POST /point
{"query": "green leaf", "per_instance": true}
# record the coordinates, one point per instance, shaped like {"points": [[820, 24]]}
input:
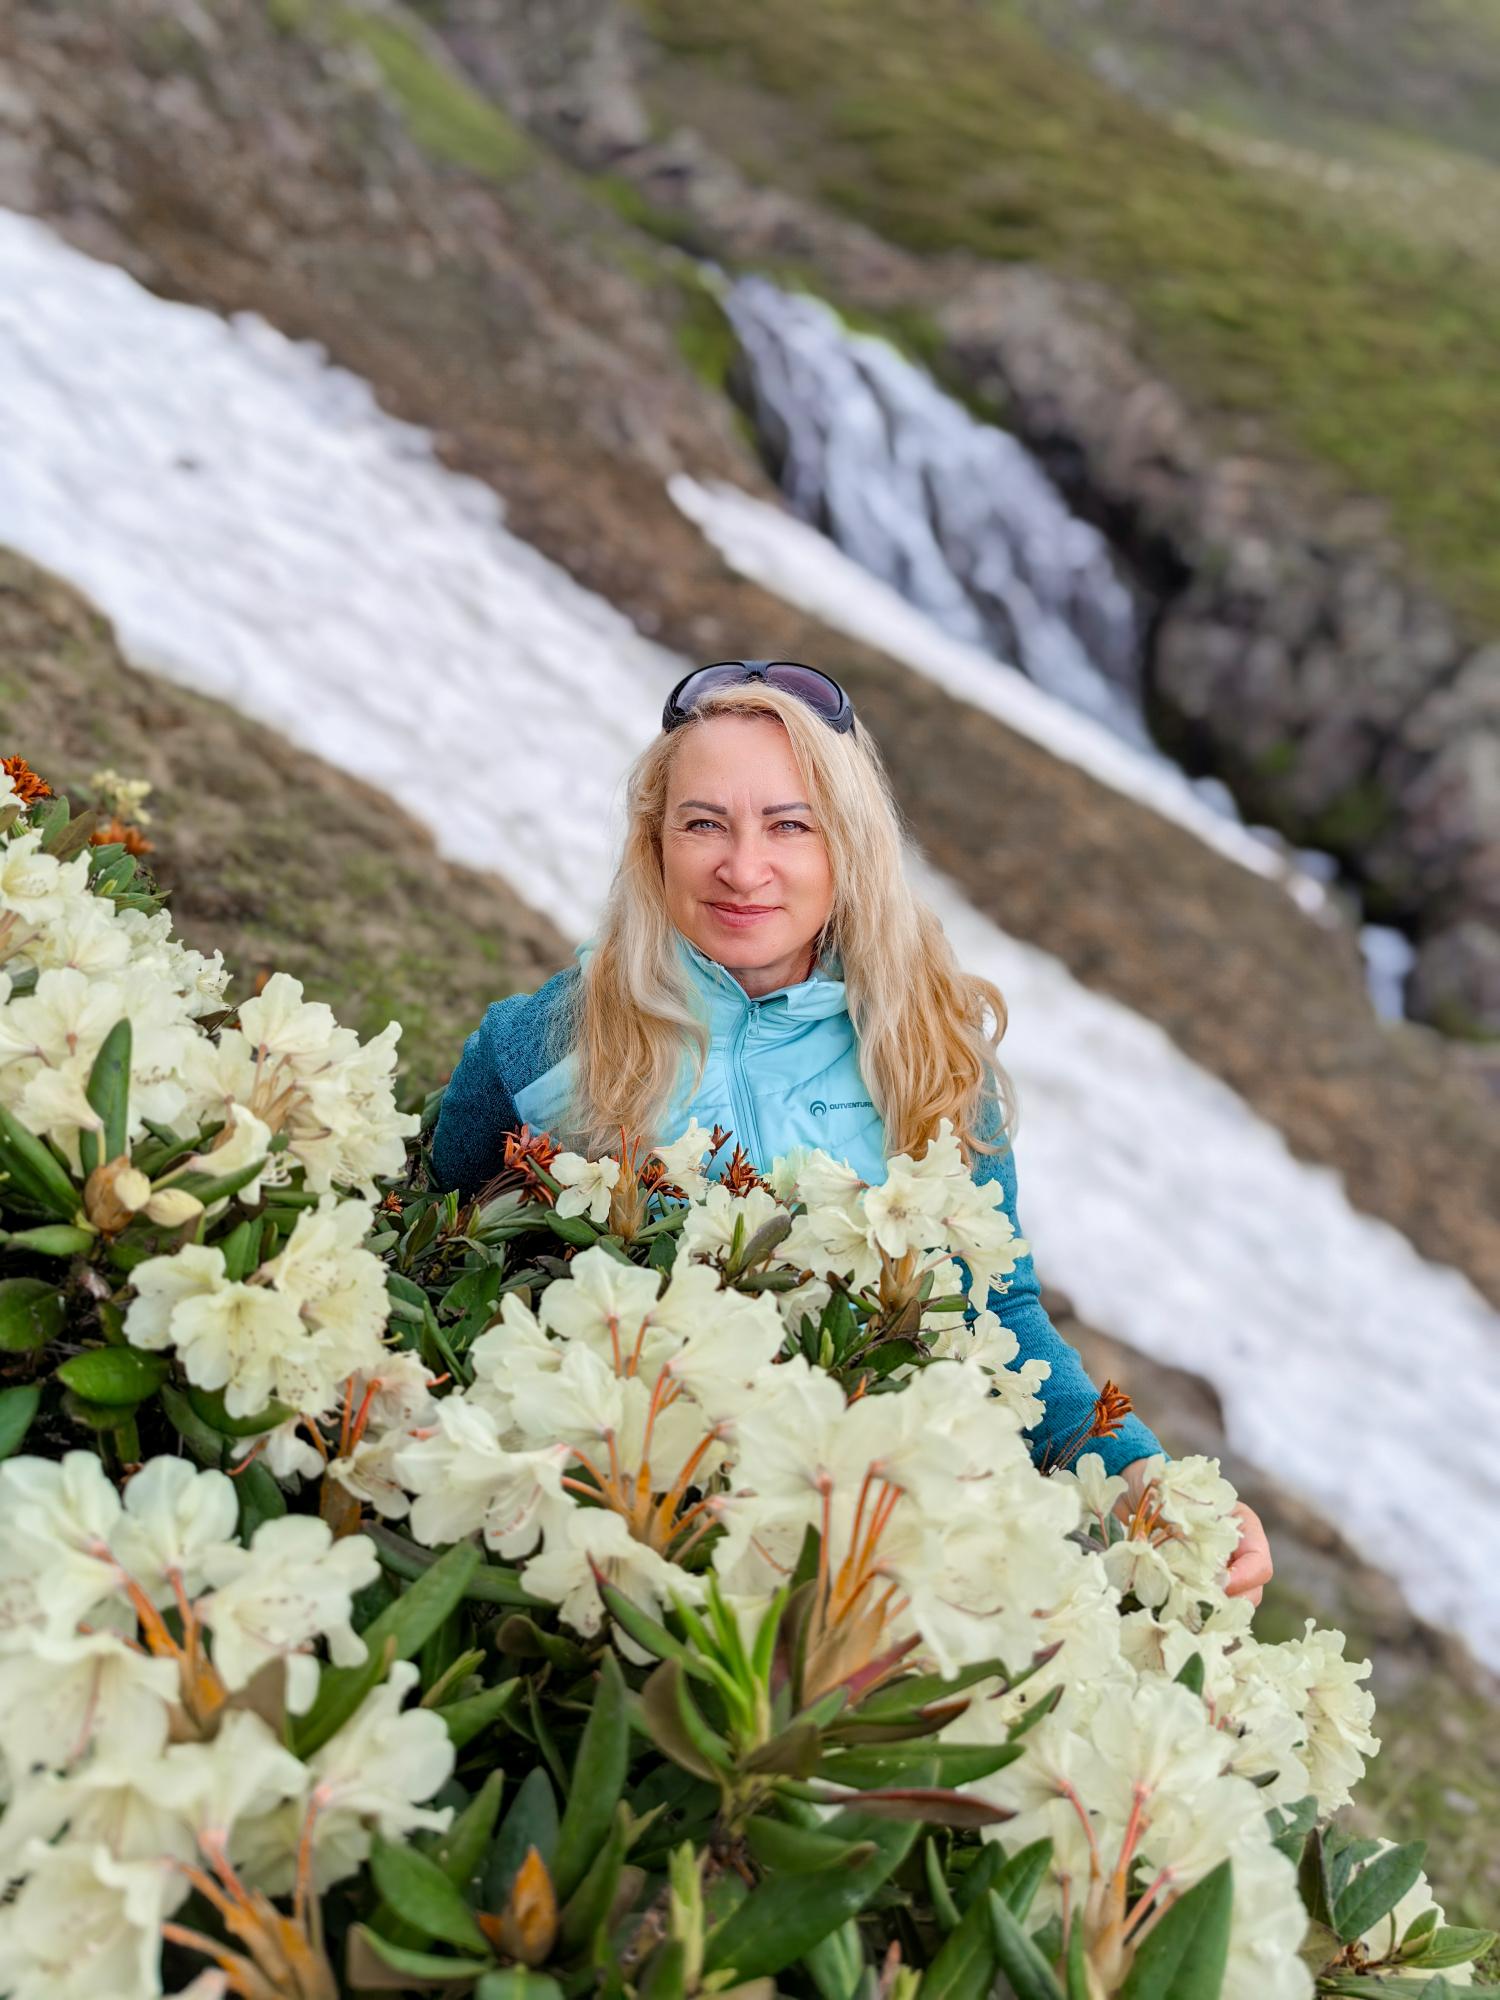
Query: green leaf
{"points": [[53, 1239], [1190, 1673], [33, 1170], [1076, 1966], [1021, 1876], [1452, 1946], [517, 1983], [590, 1903], [677, 1727], [1023, 1965], [115, 1375], [210, 1188], [31, 1314], [1290, 1826], [1184, 1956], [471, 1717], [965, 1966], [404, 1626], [467, 1841], [783, 1918], [801, 1849], [261, 1499], [108, 1088], [574, 1229], [208, 1405], [915, 1692], [17, 1408], [202, 1440], [873, 1765], [598, 1780], [374, 1965], [489, 1584], [531, 1822], [422, 1895], [1377, 1888]]}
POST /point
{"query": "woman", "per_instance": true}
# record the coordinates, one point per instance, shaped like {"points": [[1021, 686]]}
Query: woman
{"points": [[761, 964]]}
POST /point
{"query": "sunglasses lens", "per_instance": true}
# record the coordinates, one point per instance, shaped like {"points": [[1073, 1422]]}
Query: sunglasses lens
{"points": [[821, 694], [808, 685]]}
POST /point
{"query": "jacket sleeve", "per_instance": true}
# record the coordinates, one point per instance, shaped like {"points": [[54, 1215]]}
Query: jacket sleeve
{"points": [[478, 1110], [1068, 1394]]}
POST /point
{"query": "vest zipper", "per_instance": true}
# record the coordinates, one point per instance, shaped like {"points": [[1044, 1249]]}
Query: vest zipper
{"points": [[741, 1094]]}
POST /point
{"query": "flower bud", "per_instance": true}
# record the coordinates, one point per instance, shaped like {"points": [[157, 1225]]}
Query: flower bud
{"points": [[171, 1207], [113, 1193]]}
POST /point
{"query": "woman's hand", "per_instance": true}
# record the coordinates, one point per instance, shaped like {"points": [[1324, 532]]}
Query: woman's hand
{"points": [[1250, 1567]]}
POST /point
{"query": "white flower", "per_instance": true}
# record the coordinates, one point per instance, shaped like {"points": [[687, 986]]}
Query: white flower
{"points": [[56, 1519], [1338, 1714], [385, 1760], [587, 1185], [905, 1213], [84, 1925], [466, 1480], [710, 1224], [293, 1585], [580, 1540], [65, 1690], [175, 1517], [683, 1159], [243, 1771]]}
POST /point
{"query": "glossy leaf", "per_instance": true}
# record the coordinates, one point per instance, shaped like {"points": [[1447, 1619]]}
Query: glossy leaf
{"points": [[598, 1779], [1029, 1974], [115, 1375], [781, 1919], [1376, 1889], [375, 1965], [421, 1894], [31, 1314], [1184, 1956], [17, 1408], [108, 1088]]}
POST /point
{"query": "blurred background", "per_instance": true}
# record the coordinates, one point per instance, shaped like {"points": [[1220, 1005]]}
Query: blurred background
{"points": [[396, 399]]}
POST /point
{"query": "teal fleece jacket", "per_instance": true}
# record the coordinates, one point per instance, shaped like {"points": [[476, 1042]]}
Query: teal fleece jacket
{"points": [[782, 1071]]}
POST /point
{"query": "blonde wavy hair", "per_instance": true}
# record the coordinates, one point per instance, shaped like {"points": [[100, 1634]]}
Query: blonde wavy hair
{"points": [[926, 1049]]}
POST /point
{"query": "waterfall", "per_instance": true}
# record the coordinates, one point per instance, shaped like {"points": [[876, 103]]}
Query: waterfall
{"points": [[953, 513]]}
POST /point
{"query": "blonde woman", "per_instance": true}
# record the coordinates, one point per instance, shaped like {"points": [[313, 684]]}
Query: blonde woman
{"points": [[762, 964]]}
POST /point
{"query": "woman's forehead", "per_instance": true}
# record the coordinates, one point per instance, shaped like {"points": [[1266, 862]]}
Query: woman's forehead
{"points": [[735, 759]]}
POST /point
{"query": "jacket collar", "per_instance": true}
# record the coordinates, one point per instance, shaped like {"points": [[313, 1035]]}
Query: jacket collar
{"points": [[812, 999], [726, 1002]]}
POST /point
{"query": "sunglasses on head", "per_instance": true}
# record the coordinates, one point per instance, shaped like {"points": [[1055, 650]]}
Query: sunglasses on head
{"points": [[821, 693]]}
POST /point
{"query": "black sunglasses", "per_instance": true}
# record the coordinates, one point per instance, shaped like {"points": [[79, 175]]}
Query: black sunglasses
{"points": [[819, 691]]}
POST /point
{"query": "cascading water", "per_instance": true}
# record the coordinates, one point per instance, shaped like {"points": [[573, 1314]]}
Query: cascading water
{"points": [[962, 521], [954, 514]]}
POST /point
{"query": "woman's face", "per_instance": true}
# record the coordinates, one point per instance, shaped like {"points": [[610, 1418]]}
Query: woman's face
{"points": [[747, 874]]}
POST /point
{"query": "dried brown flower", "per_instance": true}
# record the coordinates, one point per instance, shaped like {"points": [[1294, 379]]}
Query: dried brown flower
{"points": [[29, 787], [115, 831]]}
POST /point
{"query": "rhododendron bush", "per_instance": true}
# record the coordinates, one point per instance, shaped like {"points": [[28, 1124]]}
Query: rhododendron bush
{"points": [[634, 1581]]}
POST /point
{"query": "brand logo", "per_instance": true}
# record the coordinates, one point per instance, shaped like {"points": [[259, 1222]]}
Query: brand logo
{"points": [[820, 1110]]}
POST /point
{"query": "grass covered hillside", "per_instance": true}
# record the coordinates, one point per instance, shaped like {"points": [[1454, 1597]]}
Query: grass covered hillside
{"points": [[1351, 340], [283, 863]]}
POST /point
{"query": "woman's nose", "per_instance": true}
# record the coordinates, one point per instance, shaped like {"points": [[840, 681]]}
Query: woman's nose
{"points": [[746, 863]]}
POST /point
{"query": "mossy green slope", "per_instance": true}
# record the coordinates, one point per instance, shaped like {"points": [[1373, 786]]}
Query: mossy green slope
{"points": [[950, 125]]}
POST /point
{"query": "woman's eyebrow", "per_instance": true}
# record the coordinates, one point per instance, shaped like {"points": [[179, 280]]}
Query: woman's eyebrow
{"points": [[792, 805]]}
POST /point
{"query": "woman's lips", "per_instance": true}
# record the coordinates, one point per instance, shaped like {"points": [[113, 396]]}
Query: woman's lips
{"points": [[739, 916]]}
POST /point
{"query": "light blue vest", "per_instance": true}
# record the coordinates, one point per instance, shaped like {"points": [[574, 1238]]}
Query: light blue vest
{"points": [[782, 1071]]}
